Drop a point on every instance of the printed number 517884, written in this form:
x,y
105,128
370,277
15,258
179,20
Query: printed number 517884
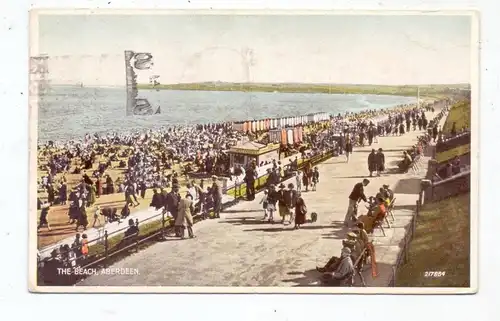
x,y
434,274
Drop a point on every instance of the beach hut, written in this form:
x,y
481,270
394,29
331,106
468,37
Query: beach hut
x,y
289,136
254,126
283,137
245,127
267,124
275,136
239,126
296,135
261,124
300,133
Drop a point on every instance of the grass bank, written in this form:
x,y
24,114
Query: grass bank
x,y
442,244
436,91
460,114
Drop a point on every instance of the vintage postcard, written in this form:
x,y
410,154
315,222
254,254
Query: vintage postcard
x,y
253,151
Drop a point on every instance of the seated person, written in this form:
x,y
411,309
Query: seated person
x,y
343,270
130,234
404,165
363,240
156,202
353,243
125,212
110,214
375,215
455,166
382,193
390,193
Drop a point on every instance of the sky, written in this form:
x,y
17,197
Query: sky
x,y
340,49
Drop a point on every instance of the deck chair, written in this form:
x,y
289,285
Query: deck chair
x,y
390,209
380,224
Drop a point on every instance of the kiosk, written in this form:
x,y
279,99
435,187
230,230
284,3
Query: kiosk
x,y
243,154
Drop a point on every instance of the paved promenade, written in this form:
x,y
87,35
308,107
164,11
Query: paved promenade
x,y
242,250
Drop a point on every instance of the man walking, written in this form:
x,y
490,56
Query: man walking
x,y
217,196
185,217
380,160
355,197
372,164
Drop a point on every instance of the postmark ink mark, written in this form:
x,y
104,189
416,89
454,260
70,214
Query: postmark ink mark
x,y
140,61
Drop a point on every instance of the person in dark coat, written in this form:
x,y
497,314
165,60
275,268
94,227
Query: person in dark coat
x,y
87,179
305,179
172,202
110,189
300,211
44,216
380,160
250,176
156,202
50,194
63,193
372,162
216,192
348,148
434,132
371,132
98,185
82,218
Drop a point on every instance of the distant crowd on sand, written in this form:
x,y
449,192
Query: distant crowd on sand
x,y
149,161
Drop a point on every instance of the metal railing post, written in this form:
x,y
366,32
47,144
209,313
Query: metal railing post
x,y
163,224
105,247
137,235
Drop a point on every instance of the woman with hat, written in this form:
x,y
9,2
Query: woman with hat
x,y
272,198
338,271
300,211
374,216
282,202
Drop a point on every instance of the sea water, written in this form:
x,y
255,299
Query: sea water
x,y
70,112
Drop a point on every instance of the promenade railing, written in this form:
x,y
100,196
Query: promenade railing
x,y
405,247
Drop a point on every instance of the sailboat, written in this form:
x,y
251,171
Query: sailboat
x,y
158,111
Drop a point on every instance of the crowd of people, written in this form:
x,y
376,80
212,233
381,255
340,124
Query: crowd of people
x,y
148,160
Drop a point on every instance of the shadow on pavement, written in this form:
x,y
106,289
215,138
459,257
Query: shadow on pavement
x,y
337,234
288,228
242,211
246,221
407,186
361,176
307,278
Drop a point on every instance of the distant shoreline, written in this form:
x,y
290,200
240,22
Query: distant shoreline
x,y
425,90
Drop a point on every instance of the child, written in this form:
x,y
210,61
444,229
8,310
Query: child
x,y
264,203
96,216
85,246
315,178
